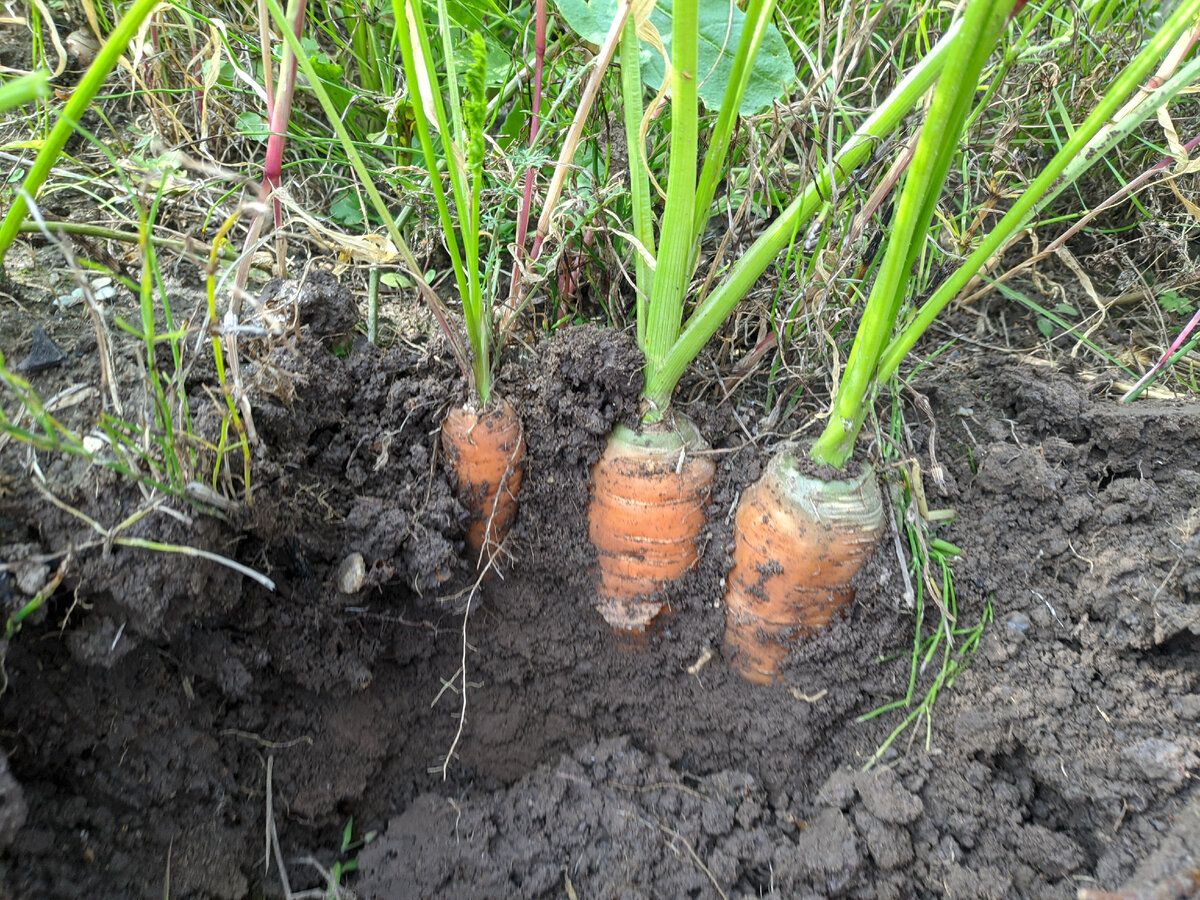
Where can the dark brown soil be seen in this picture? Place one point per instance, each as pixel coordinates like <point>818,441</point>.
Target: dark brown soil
<point>163,703</point>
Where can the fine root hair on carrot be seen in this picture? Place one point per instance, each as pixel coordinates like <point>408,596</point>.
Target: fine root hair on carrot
<point>486,453</point>
<point>799,542</point>
<point>646,517</point>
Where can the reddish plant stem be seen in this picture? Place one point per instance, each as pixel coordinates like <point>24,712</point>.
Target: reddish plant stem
<point>279,114</point>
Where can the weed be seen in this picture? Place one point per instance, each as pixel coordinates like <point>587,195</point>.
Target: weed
<point>943,643</point>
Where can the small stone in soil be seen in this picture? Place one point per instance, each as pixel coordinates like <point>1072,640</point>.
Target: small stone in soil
<point>43,353</point>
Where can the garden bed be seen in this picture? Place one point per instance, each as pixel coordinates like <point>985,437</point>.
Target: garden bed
<point>164,703</point>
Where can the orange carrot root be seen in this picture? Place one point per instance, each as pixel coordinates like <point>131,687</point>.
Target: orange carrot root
<point>486,453</point>
<point>798,543</point>
<point>646,517</point>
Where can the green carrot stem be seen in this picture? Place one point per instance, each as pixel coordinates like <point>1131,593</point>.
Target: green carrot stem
<point>983,22</point>
<point>665,311</point>
<point>448,56</point>
<point>754,29</point>
<point>1069,163</point>
<point>716,307</point>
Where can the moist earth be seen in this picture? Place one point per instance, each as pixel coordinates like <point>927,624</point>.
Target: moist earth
<point>165,716</point>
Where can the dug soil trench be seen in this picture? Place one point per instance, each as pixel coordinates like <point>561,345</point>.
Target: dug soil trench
<point>167,716</point>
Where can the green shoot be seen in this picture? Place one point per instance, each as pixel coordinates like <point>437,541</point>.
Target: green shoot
<point>230,416</point>
<point>71,113</point>
<point>714,309</point>
<point>376,200</point>
<point>661,288</point>
<point>1069,164</point>
<point>983,22</point>
<point>461,156</point>
<point>462,149</point>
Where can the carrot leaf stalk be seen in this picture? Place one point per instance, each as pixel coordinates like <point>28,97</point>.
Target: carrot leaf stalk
<point>1086,146</point>
<point>983,23</point>
<point>711,311</point>
<point>873,358</point>
<point>461,238</point>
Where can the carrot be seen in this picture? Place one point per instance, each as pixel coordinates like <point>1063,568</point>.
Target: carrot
<point>649,491</point>
<point>486,453</point>
<point>799,540</point>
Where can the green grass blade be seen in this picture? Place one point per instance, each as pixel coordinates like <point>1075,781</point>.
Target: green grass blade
<point>1053,317</point>
<point>81,99</point>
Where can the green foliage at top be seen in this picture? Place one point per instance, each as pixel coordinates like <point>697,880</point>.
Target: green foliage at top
<point>473,14</point>
<point>475,105</point>
<point>720,23</point>
<point>19,91</point>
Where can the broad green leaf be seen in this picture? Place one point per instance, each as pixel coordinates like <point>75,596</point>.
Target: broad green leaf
<point>346,209</point>
<point>720,32</point>
<point>253,124</point>
<point>329,72</point>
<point>395,280</point>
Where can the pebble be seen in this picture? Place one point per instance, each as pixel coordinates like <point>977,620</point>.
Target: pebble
<point>1018,623</point>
